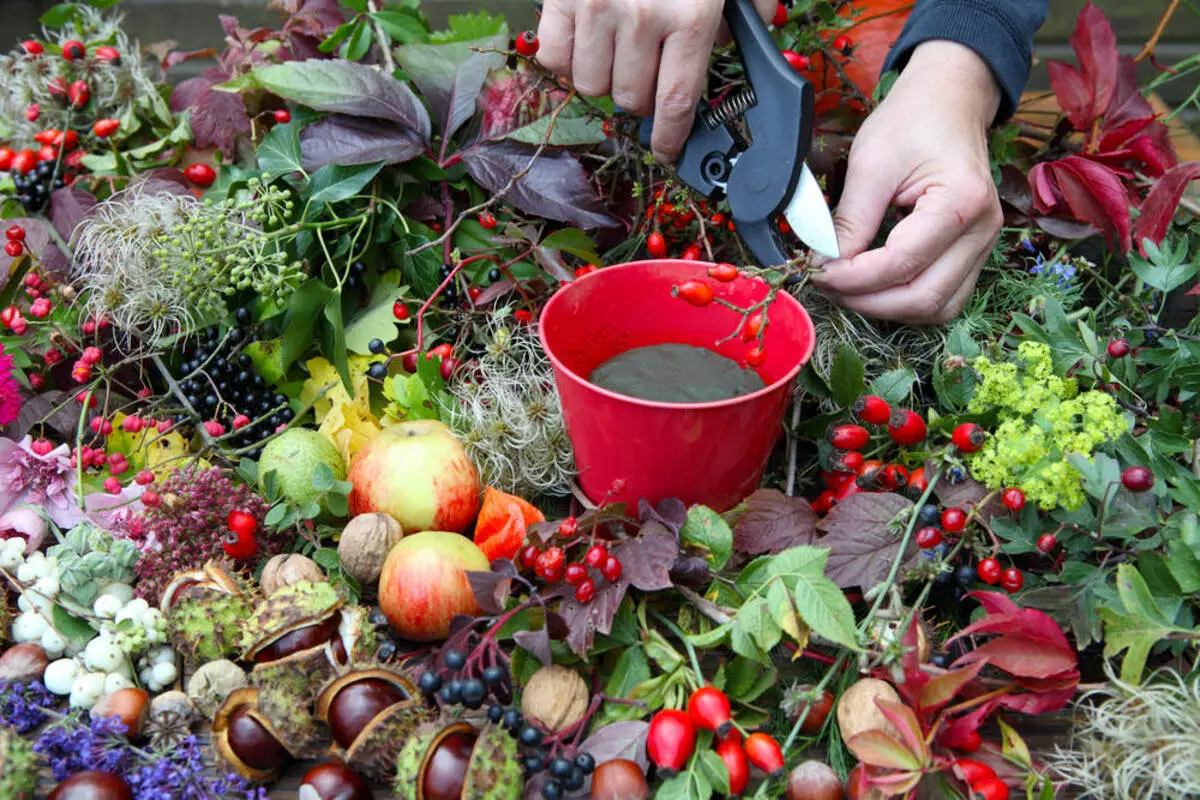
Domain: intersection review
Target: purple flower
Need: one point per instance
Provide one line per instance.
(10, 390)
(72, 746)
(22, 704)
(179, 774)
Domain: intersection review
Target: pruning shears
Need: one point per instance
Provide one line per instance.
(765, 176)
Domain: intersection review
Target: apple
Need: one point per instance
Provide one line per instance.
(424, 583)
(418, 473)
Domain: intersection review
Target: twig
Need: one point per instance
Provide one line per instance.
(389, 62)
(705, 606)
(1152, 42)
(508, 187)
(175, 389)
(792, 447)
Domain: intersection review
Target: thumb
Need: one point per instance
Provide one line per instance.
(868, 192)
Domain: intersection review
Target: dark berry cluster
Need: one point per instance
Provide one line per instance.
(458, 682)
(34, 187)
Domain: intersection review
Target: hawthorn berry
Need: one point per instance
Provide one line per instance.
(1013, 498)
(202, 175)
(796, 61)
(968, 437)
(849, 437)
(527, 44)
(283, 116)
(698, 293)
(487, 220)
(611, 569)
(568, 527)
(1047, 543)
(954, 520)
(988, 570)
(872, 410)
(1137, 479)
(73, 50)
(575, 574)
(906, 427)
(32, 47)
(550, 564)
(723, 272)
(843, 43)
(1011, 580)
(6, 158)
(14, 248)
(585, 591)
(1118, 348)
(989, 789)
(928, 538)
(528, 556)
(597, 554)
(656, 245)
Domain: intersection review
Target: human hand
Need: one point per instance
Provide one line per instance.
(651, 56)
(924, 148)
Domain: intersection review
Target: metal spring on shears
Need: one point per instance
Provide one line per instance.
(732, 107)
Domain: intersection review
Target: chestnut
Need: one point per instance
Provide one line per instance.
(333, 780)
(359, 703)
(446, 769)
(131, 705)
(246, 740)
(92, 785)
(619, 779)
(814, 780)
(300, 639)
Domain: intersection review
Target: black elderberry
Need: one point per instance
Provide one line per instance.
(494, 275)
(929, 515)
(530, 735)
(493, 675)
(511, 721)
(965, 575)
(560, 768)
(378, 370)
(495, 712)
(534, 764)
(552, 790)
(376, 346)
(454, 659)
(585, 762)
(575, 780)
(473, 693)
(429, 682)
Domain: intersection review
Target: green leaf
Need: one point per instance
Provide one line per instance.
(335, 340)
(301, 320)
(1166, 269)
(575, 242)
(279, 150)
(322, 479)
(846, 377)
(376, 321)
(826, 610)
(359, 42)
(275, 515)
(340, 34)
(746, 680)
(401, 25)
(469, 27)
(70, 626)
(754, 631)
(631, 669)
(333, 183)
(1137, 630)
(960, 343)
(877, 748)
(267, 357)
(894, 386)
(687, 785)
(706, 529)
(327, 558)
(714, 770)
(59, 15)
(568, 131)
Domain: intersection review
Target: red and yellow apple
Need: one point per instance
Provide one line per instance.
(418, 473)
(424, 583)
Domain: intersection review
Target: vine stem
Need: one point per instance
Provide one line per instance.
(691, 651)
(1152, 42)
(389, 62)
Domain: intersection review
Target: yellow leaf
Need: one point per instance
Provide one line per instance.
(348, 429)
(148, 449)
(1015, 748)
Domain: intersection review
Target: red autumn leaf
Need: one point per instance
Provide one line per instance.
(906, 723)
(1022, 656)
(1034, 703)
(1095, 46)
(1159, 206)
(941, 690)
(1005, 616)
(1128, 111)
(881, 750)
(1073, 93)
(1090, 192)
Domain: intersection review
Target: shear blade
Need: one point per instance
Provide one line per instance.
(809, 216)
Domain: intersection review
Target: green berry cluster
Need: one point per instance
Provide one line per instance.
(1042, 418)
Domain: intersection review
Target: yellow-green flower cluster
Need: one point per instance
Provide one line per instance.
(1042, 418)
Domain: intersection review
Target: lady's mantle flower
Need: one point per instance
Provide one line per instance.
(10, 390)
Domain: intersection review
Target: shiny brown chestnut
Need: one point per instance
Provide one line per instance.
(619, 779)
(357, 704)
(333, 780)
(368, 712)
(300, 639)
(245, 739)
(814, 780)
(132, 705)
(92, 785)
(446, 765)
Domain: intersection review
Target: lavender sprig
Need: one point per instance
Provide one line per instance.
(23, 705)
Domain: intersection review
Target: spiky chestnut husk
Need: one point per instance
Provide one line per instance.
(359, 637)
(493, 772)
(288, 609)
(286, 691)
(18, 766)
(205, 610)
(242, 698)
(373, 753)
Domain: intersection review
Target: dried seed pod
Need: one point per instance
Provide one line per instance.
(369, 711)
(294, 618)
(365, 544)
(555, 696)
(288, 568)
(455, 761)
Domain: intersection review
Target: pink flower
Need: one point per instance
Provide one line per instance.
(26, 523)
(10, 390)
(45, 482)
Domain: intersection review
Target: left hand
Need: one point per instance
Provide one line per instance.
(924, 148)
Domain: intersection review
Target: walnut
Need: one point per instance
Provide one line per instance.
(857, 712)
(284, 570)
(214, 682)
(365, 544)
(555, 696)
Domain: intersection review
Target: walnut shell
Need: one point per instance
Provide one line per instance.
(365, 543)
(857, 712)
(285, 569)
(555, 696)
(210, 685)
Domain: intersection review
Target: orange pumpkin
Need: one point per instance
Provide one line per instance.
(876, 27)
(502, 522)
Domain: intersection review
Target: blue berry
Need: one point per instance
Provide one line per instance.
(966, 575)
(928, 516)
(453, 659)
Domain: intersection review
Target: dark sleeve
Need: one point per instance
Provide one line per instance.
(1000, 31)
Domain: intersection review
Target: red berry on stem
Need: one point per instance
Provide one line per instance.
(971, 772)
(970, 743)
(723, 272)
(6, 158)
(929, 537)
(568, 527)
(527, 44)
(202, 175)
(954, 520)
(108, 53)
(988, 570)
(487, 220)
(103, 128)
(597, 554)
(656, 245)
(575, 574)
(843, 43)
(1013, 499)
(1011, 580)
(1047, 543)
(989, 789)
(585, 591)
(709, 709)
(409, 362)
(756, 357)
(752, 327)
(736, 764)
(895, 476)
(529, 555)
(906, 427)
(1118, 348)
(79, 94)
(283, 116)
(765, 753)
(1137, 479)
(447, 368)
(73, 50)
(24, 161)
(611, 569)
(14, 249)
(849, 437)
(33, 48)
(399, 311)
(698, 293)
(968, 437)
(670, 740)
(872, 410)
(796, 61)
(781, 16)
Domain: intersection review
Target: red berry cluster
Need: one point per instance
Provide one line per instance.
(676, 224)
(550, 564)
(981, 779)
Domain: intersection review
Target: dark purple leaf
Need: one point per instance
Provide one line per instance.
(556, 625)
(217, 119)
(774, 522)
(187, 93)
(459, 624)
(536, 642)
(68, 206)
(165, 179)
(1158, 209)
(490, 589)
(1095, 46)
(180, 56)
(584, 620)
(346, 87)
(47, 409)
(1088, 191)
(552, 262)
(1014, 189)
(671, 513)
(691, 571)
(1128, 112)
(493, 291)
(555, 186)
(966, 494)
(317, 18)
(450, 76)
(341, 139)
(862, 538)
(647, 560)
(1069, 229)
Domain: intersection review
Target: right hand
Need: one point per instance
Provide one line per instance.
(650, 55)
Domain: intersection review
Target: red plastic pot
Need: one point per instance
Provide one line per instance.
(709, 453)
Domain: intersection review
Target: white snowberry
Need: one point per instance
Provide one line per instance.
(47, 585)
(60, 675)
(161, 655)
(121, 591)
(28, 627)
(107, 606)
(30, 571)
(103, 654)
(11, 558)
(87, 689)
(53, 643)
(115, 681)
(164, 674)
(135, 609)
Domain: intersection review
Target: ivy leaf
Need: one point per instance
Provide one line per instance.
(279, 150)
(301, 320)
(863, 544)
(706, 529)
(376, 321)
(343, 139)
(773, 522)
(555, 185)
(450, 76)
(334, 183)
